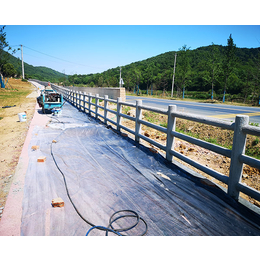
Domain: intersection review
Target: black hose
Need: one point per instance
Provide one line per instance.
(110, 228)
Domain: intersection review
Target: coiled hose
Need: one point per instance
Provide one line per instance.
(109, 228)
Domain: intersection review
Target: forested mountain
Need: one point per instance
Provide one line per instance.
(196, 70)
(38, 72)
(201, 71)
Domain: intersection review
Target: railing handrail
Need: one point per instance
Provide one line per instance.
(240, 127)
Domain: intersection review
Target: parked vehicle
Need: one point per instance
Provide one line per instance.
(50, 100)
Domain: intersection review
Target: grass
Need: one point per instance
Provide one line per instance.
(126, 109)
(14, 94)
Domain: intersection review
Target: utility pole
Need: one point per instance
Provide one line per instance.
(173, 73)
(120, 85)
(22, 60)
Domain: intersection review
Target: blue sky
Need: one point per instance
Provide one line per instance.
(95, 48)
(94, 37)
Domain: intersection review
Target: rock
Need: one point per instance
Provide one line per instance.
(146, 134)
(244, 175)
(182, 146)
(163, 137)
(153, 150)
(256, 203)
(191, 149)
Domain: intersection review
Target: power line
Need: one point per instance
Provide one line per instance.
(60, 58)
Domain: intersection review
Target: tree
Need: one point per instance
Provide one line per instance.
(229, 62)
(149, 75)
(137, 78)
(4, 55)
(183, 71)
(100, 81)
(9, 70)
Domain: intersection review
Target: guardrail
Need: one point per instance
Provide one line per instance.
(240, 127)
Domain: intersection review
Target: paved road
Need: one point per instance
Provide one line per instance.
(220, 111)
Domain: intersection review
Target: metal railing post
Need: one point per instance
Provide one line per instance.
(138, 116)
(96, 103)
(170, 127)
(238, 148)
(118, 110)
(105, 108)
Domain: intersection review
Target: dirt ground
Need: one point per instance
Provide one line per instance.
(250, 176)
(13, 134)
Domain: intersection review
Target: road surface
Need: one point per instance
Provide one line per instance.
(220, 111)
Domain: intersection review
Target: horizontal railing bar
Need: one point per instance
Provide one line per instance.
(111, 121)
(212, 147)
(127, 129)
(204, 120)
(127, 104)
(201, 167)
(251, 130)
(248, 191)
(157, 127)
(101, 115)
(152, 142)
(100, 106)
(127, 117)
(111, 100)
(111, 111)
(156, 110)
(249, 160)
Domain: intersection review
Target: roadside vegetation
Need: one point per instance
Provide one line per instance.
(203, 132)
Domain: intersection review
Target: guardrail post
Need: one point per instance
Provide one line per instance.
(96, 103)
(238, 148)
(89, 103)
(118, 110)
(105, 108)
(138, 116)
(170, 127)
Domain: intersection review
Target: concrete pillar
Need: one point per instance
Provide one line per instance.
(170, 127)
(236, 167)
(119, 110)
(138, 116)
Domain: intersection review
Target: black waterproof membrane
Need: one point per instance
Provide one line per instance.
(105, 173)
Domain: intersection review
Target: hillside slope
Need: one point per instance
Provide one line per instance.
(35, 72)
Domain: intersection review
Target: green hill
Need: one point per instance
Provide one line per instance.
(157, 72)
(35, 72)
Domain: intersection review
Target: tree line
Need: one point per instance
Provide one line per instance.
(215, 71)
